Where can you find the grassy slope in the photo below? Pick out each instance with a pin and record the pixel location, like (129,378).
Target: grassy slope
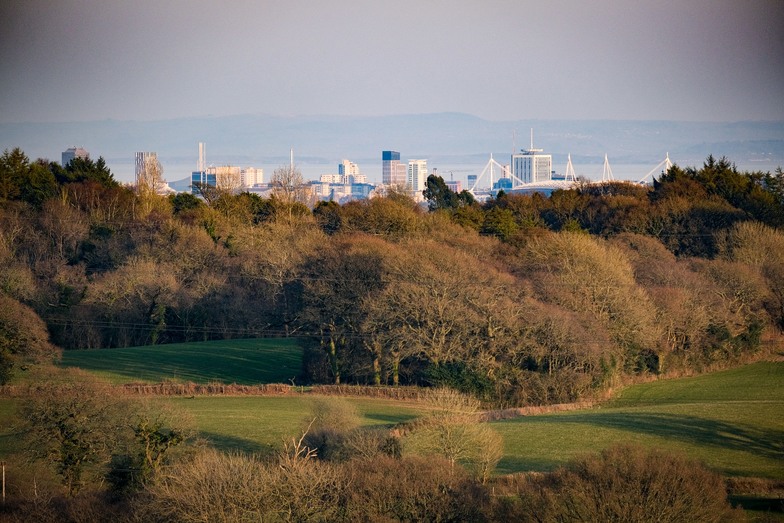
(733,421)
(230,361)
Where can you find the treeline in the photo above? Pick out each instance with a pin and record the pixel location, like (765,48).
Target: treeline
(521,300)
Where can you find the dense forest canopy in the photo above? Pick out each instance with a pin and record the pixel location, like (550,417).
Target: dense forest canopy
(521,300)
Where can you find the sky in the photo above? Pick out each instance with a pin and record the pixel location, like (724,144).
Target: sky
(502,60)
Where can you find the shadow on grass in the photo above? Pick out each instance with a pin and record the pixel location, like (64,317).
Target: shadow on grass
(690,429)
(231,443)
(389,419)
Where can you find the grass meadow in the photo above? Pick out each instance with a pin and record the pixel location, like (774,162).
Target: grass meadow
(261,424)
(733,420)
(245,362)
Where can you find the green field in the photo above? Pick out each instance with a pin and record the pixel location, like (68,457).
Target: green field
(733,421)
(245,362)
(259,424)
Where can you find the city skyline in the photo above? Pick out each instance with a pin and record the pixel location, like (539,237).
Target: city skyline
(702,60)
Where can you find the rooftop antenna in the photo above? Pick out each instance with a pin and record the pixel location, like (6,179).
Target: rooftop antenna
(514,141)
(532,138)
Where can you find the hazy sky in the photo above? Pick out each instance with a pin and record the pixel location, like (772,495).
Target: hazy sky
(73,60)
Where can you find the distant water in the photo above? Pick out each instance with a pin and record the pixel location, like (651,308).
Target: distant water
(124,171)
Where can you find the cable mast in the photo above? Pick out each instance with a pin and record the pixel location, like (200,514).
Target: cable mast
(202,165)
(569,175)
(607,175)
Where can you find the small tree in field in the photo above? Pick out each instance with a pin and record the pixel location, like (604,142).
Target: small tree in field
(453,431)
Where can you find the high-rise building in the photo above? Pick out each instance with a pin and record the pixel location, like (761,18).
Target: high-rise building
(252,176)
(530,166)
(392,171)
(347,168)
(74,152)
(417,175)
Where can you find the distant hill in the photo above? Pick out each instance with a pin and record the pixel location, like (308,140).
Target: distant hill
(443,137)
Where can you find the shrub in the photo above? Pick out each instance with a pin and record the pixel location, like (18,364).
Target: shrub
(623,483)
(412,489)
(212,486)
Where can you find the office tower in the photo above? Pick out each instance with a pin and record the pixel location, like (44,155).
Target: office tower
(417,175)
(74,152)
(392,171)
(530,166)
(252,176)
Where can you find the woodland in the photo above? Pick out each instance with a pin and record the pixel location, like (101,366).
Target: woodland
(522,300)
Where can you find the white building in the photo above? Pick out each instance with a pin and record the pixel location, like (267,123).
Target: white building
(454,185)
(251,176)
(347,168)
(331,178)
(226,177)
(530,166)
(351,179)
(417,175)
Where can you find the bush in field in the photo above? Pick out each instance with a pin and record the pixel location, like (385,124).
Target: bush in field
(157,432)
(23,338)
(623,483)
(212,486)
(333,419)
(412,489)
(335,434)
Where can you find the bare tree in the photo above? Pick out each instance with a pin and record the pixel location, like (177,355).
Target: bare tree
(228,178)
(150,177)
(453,430)
(289,186)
